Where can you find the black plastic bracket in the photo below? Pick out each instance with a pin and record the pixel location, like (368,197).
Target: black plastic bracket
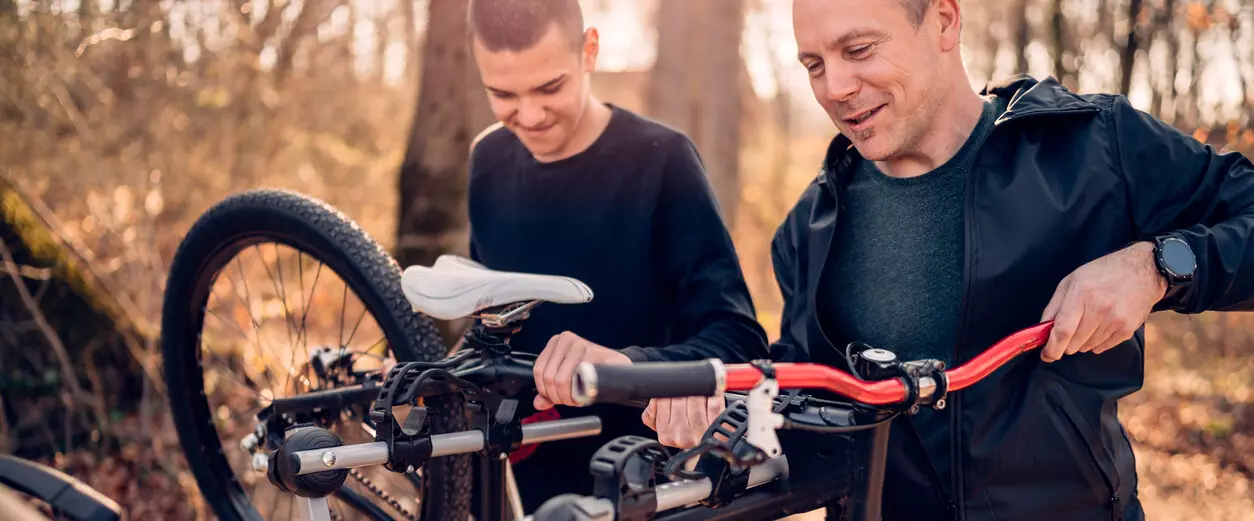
(503,430)
(625,472)
(284,465)
(729,476)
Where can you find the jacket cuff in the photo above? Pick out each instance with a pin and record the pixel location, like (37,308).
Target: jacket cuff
(637,354)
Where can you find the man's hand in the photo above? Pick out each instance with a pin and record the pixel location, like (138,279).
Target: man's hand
(680,422)
(1102,303)
(555,367)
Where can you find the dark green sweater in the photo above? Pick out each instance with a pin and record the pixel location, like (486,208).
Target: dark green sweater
(894,276)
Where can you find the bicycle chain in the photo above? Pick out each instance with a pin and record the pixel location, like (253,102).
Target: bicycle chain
(382,494)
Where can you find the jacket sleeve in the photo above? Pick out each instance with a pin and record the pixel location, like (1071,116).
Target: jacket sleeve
(1179,185)
(790,346)
(697,259)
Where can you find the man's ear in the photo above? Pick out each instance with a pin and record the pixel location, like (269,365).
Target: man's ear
(949,18)
(591,47)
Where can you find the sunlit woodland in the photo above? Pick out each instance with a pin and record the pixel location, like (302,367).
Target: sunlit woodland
(121,121)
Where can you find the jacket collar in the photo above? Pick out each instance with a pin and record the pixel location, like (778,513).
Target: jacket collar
(1027,97)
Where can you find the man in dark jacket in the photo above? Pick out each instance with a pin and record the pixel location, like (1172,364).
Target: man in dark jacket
(944,219)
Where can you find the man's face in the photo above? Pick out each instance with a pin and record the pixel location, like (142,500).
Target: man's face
(539,93)
(871,70)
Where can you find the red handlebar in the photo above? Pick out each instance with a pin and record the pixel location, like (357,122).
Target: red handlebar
(742,377)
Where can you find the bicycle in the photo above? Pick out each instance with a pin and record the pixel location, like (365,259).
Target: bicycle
(429,445)
(459,404)
(741,453)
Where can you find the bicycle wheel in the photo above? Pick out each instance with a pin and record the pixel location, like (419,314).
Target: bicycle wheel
(236,337)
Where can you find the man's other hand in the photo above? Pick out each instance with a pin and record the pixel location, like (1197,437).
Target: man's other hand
(1102,303)
(680,422)
(555,367)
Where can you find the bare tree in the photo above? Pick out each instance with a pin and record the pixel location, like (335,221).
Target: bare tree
(668,97)
(432,214)
(1164,27)
(1058,41)
(1127,61)
(1023,35)
(703,101)
(719,130)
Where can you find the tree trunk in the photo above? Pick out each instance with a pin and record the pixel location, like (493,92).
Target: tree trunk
(1058,42)
(1127,61)
(432,215)
(1164,26)
(719,129)
(1023,36)
(1173,61)
(668,98)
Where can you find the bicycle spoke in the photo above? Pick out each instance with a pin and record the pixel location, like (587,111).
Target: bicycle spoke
(343,305)
(287,315)
(304,333)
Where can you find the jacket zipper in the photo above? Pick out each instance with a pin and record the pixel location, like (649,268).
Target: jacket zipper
(956,399)
(957,495)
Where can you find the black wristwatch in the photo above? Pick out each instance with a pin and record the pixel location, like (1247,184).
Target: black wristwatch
(1175,260)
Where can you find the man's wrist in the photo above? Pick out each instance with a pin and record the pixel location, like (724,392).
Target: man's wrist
(1144,253)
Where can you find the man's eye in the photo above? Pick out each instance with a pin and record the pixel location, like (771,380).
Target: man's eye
(815,67)
(551,89)
(860,51)
(502,95)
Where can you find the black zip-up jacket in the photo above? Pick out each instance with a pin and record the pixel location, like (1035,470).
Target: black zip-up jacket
(1062,179)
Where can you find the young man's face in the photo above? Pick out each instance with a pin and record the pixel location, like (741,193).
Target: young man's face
(871,70)
(540,93)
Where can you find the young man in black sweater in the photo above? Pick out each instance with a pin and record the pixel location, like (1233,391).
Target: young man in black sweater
(567,185)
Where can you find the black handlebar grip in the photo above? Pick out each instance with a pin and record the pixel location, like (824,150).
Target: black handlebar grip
(640,382)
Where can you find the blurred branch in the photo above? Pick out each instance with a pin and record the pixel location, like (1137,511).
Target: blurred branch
(1023,36)
(69,375)
(1164,25)
(312,14)
(29,272)
(1128,55)
(1058,37)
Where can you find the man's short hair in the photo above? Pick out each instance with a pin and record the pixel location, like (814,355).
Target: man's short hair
(517,25)
(916,10)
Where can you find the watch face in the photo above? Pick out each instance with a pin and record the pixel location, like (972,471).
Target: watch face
(1178,257)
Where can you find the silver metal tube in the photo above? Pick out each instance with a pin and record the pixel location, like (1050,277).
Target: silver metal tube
(687,492)
(342,457)
(313,509)
(365,454)
(681,493)
(927,386)
(542,432)
(456,443)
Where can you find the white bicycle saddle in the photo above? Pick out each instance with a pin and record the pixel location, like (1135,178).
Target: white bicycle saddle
(456,287)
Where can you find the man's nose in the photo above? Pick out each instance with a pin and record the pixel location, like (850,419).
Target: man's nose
(841,87)
(530,114)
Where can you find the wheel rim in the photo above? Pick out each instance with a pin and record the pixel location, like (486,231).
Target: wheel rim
(226,335)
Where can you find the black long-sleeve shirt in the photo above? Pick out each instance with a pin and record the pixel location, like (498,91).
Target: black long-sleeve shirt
(635,219)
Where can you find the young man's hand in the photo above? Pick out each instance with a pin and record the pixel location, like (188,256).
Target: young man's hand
(1102,303)
(555,367)
(680,422)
